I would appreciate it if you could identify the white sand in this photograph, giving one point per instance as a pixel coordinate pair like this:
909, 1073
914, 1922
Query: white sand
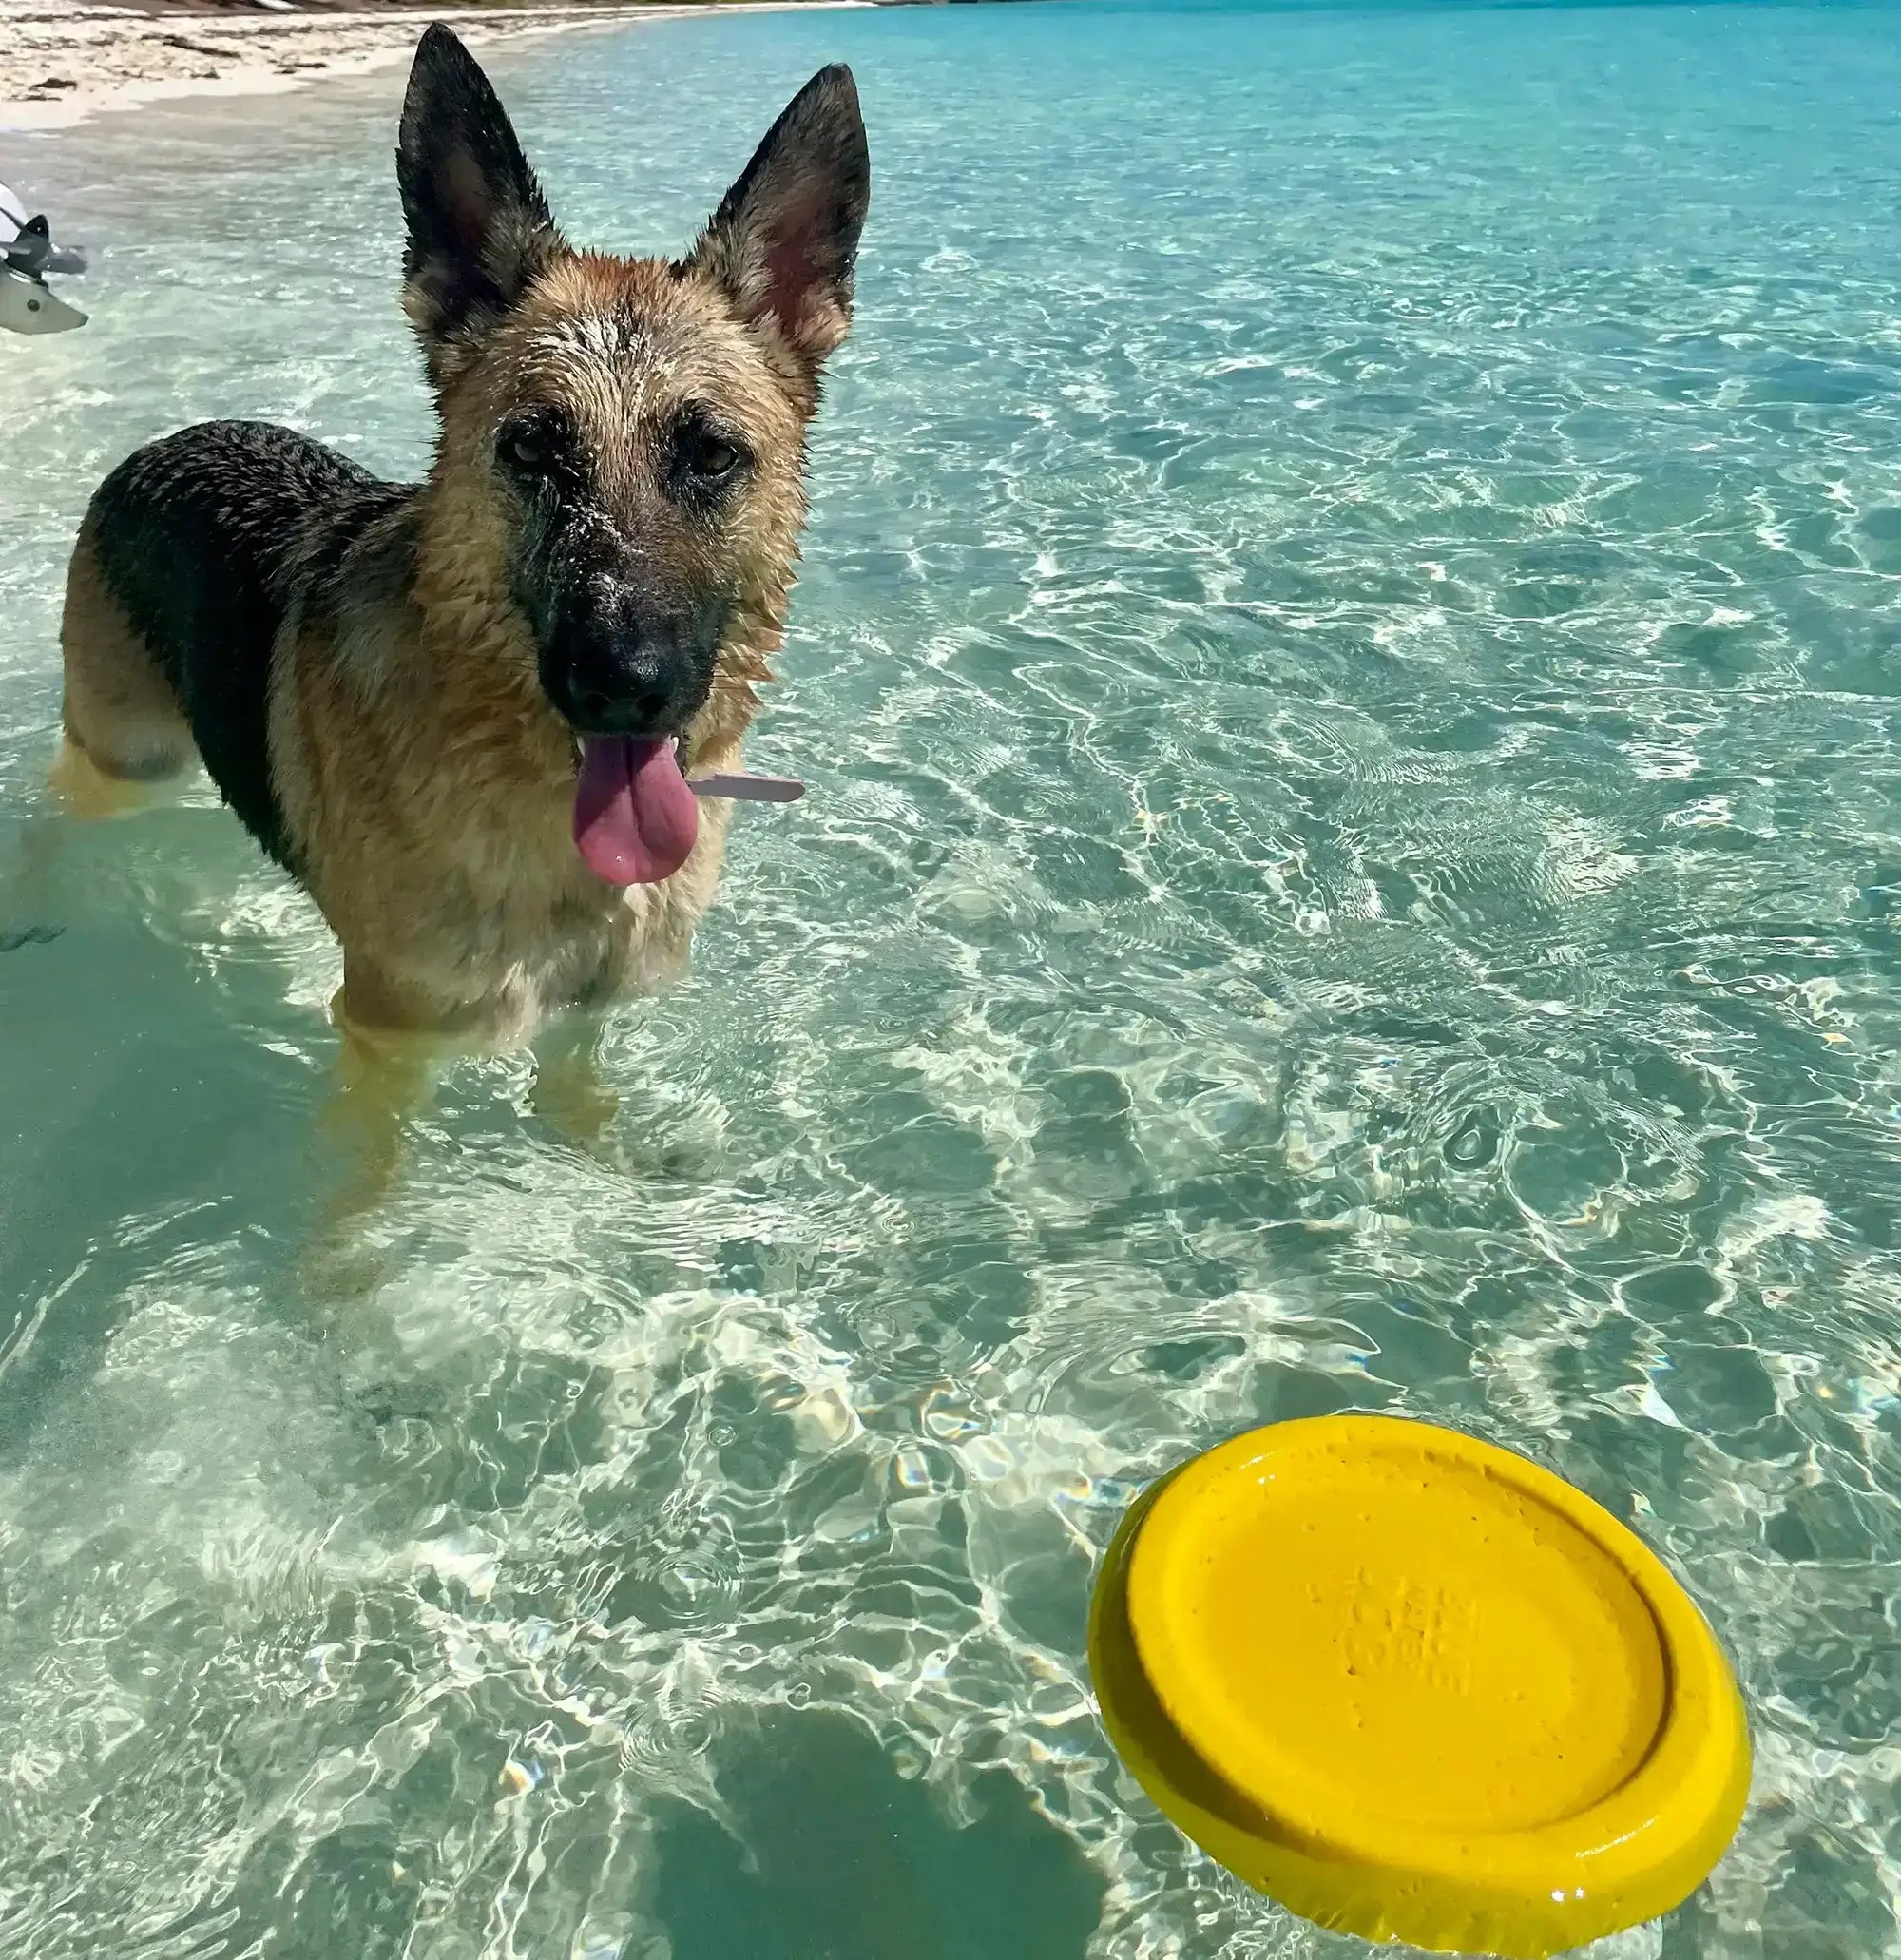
61, 63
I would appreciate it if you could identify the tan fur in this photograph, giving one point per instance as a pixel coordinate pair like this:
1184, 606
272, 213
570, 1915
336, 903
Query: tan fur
120, 712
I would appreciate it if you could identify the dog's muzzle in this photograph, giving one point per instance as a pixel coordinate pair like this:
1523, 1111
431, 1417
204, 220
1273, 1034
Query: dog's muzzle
617, 669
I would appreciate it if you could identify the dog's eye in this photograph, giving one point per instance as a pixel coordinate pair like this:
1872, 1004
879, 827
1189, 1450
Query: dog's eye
709, 455
524, 445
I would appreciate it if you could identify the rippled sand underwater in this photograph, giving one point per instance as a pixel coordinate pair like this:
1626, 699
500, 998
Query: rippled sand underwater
1345, 676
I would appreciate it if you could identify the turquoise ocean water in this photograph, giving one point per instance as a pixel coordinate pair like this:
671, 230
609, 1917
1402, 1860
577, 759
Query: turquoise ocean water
1346, 671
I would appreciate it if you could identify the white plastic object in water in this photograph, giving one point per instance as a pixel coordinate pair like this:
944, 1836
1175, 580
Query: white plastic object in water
27, 307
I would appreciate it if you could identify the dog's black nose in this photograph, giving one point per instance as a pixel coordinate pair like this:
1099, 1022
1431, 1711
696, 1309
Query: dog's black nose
618, 658
609, 676
642, 711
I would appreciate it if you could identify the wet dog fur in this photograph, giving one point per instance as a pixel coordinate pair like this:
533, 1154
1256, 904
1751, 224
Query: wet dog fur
388, 683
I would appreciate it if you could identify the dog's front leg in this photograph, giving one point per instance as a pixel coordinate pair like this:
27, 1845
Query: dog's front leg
568, 1092
383, 1079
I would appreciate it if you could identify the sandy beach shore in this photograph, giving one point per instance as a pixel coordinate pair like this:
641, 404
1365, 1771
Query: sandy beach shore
60, 63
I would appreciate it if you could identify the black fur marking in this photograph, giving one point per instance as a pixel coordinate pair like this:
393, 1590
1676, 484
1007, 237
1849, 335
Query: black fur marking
205, 539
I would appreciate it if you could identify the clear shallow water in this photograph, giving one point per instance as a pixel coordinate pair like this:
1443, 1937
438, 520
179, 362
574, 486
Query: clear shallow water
1344, 671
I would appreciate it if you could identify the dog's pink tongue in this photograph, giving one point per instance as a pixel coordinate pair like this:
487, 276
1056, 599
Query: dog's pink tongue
635, 819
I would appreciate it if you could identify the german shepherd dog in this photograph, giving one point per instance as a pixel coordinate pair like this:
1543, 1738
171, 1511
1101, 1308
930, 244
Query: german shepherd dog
463, 714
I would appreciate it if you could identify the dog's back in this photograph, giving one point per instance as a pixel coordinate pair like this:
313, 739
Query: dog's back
192, 552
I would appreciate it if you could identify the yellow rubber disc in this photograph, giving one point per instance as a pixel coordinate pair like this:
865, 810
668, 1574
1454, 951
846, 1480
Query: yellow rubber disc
1415, 1687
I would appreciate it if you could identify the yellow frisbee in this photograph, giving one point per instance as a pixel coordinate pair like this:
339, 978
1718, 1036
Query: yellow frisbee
1415, 1687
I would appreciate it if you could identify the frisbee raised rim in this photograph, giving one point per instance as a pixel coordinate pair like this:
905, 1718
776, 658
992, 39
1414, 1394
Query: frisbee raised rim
1415, 1686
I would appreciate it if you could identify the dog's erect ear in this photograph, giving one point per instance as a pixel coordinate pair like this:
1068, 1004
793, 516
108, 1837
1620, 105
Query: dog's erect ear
479, 227
784, 239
